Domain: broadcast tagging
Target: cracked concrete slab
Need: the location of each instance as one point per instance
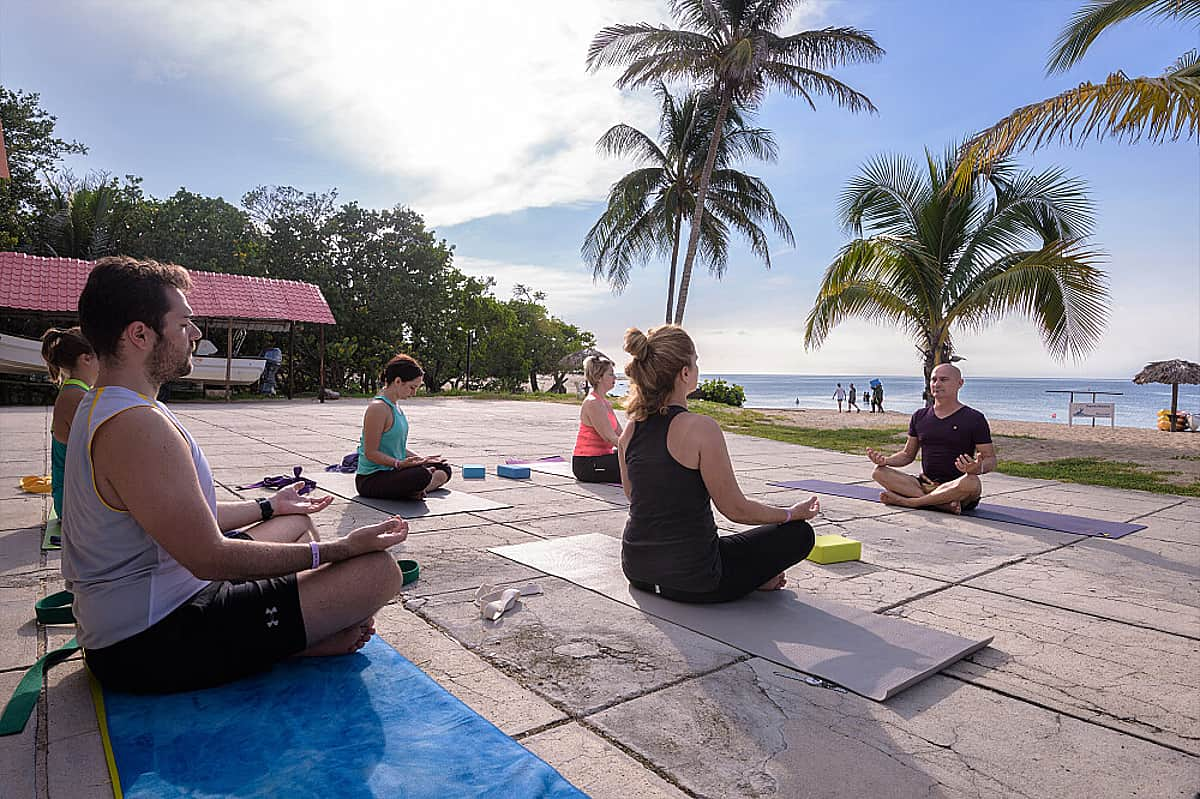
(18, 631)
(454, 560)
(1087, 667)
(610, 522)
(482, 687)
(596, 767)
(1139, 580)
(946, 547)
(21, 548)
(1097, 502)
(749, 730)
(577, 648)
(27, 510)
(862, 585)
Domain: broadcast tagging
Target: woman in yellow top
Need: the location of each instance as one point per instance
(73, 366)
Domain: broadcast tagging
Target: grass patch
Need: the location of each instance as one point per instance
(1019, 435)
(1185, 457)
(1097, 472)
(752, 423)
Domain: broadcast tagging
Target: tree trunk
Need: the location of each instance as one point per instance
(674, 263)
(701, 194)
(533, 386)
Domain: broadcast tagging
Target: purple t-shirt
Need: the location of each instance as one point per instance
(943, 440)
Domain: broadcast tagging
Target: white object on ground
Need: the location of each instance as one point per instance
(494, 602)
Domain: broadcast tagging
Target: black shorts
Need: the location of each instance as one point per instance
(226, 631)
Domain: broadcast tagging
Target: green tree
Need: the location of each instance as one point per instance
(87, 218)
(204, 233)
(932, 262)
(34, 153)
(646, 208)
(1159, 108)
(731, 47)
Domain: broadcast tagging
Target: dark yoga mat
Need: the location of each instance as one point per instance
(871, 654)
(438, 503)
(555, 465)
(1078, 525)
(365, 725)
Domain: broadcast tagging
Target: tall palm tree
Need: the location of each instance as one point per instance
(934, 262)
(1160, 108)
(646, 208)
(732, 48)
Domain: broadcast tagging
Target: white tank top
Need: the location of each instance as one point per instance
(123, 581)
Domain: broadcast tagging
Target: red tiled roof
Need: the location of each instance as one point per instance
(30, 283)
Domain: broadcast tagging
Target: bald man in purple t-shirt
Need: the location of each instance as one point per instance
(955, 445)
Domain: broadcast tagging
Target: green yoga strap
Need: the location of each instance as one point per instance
(54, 609)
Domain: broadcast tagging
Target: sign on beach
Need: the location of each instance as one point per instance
(1093, 410)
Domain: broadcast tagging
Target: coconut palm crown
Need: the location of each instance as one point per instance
(1161, 108)
(647, 207)
(934, 262)
(733, 48)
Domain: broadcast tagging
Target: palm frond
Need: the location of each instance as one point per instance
(1097, 16)
(1059, 287)
(1128, 109)
(824, 49)
(802, 82)
(628, 141)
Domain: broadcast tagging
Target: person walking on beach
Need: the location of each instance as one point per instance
(877, 398)
(956, 447)
(852, 400)
(839, 394)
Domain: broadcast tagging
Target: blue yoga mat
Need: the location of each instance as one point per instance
(362, 726)
(1079, 525)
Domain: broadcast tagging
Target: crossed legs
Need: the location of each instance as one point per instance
(907, 491)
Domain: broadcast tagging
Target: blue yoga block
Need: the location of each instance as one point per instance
(512, 471)
(471, 471)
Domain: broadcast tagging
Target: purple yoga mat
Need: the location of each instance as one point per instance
(550, 459)
(1078, 525)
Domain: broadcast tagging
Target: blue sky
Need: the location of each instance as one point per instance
(484, 121)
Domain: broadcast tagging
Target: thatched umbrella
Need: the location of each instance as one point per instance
(574, 361)
(1171, 373)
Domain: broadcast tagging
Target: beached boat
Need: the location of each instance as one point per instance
(24, 356)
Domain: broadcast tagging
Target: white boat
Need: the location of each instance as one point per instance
(24, 356)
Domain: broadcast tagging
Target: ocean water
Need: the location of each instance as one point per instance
(1020, 399)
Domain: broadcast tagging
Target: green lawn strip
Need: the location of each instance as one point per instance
(753, 423)
(1097, 472)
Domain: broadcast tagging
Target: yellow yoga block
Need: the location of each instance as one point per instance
(835, 549)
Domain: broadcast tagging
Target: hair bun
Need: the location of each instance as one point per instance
(636, 344)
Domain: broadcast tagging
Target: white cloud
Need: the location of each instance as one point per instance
(568, 291)
(471, 108)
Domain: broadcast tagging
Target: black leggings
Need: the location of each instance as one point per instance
(748, 560)
(596, 468)
(397, 483)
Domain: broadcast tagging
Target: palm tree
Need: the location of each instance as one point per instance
(933, 262)
(731, 47)
(646, 208)
(86, 220)
(1161, 108)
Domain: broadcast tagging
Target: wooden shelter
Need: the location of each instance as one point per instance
(50, 288)
(1171, 373)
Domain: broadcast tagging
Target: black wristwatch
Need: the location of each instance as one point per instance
(264, 506)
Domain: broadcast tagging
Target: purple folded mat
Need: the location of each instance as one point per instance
(1078, 525)
(549, 459)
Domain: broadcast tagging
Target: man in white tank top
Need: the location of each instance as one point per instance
(164, 599)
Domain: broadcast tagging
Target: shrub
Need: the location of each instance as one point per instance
(722, 392)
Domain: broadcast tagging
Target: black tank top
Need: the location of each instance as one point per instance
(671, 537)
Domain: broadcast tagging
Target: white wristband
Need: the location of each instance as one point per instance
(789, 516)
(316, 553)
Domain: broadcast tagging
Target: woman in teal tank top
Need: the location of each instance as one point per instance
(73, 365)
(387, 468)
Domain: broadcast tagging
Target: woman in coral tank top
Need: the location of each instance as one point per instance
(595, 456)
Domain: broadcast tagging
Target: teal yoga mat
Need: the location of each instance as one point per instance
(361, 726)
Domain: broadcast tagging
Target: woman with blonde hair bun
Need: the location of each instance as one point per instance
(672, 462)
(595, 457)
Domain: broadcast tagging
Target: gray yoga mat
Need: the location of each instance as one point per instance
(442, 502)
(873, 655)
(1078, 525)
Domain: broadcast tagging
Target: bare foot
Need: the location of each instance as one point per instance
(775, 583)
(888, 498)
(954, 507)
(343, 642)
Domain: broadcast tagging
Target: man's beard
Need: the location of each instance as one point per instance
(165, 366)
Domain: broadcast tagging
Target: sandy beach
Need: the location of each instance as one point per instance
(1030, 442)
